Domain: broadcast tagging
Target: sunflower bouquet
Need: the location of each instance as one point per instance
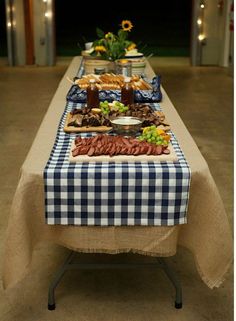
(111, 46)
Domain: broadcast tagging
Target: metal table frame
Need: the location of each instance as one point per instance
(69, 265)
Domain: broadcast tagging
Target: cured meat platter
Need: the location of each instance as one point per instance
(105, 148)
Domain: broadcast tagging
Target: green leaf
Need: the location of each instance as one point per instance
(93, 54)
(127, 43)
(100, 33)
(122, 34)
(95, 43)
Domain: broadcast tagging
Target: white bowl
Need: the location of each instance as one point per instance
(126, 125)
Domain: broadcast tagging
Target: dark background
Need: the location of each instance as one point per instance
(165, 28)
(3, 37)
(162, 27)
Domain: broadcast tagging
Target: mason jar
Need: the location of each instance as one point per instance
(124, 67)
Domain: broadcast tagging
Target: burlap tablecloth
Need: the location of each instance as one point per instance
(207, 234)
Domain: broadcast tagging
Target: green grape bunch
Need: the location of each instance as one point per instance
(104, 106)
(117, 106)
(154, 135)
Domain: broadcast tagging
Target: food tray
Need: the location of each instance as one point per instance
(124, 158)
(78, 95)
(99, 129)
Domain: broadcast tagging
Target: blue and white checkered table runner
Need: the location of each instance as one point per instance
(112, 194)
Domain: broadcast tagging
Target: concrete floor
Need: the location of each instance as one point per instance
(203, 98)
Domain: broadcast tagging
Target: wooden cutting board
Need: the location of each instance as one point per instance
(124, 158)
(99, 129)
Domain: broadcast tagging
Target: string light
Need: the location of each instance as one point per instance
(199, 22)
(9, 24)
(48, 14)
(201, 37)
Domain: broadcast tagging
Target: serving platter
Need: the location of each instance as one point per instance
(78, 94)
(72, 127)
(98, 129)
(110, 81)
(171, 157)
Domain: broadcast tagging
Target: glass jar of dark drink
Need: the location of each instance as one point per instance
(92, 94)
(127, 92)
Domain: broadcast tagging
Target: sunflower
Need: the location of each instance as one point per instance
(100, 49)
(131, 46)
(126, 25)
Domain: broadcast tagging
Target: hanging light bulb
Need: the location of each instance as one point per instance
(199, 21)
(48, 14)
(201, 37)
(202, 5)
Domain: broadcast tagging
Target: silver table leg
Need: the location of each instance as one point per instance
(56, 279)
(174, 280)
(69, 265)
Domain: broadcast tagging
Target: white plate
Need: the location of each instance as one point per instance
(135, 56)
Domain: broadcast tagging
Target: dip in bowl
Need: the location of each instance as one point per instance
(125, 125)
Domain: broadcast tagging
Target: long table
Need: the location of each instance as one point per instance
(207, 233)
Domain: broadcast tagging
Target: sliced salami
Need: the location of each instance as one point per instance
(115, 145)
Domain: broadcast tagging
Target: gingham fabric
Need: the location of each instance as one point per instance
(112, 194)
